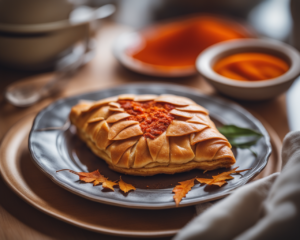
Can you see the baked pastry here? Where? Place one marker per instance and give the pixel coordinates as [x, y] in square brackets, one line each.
[148, 134]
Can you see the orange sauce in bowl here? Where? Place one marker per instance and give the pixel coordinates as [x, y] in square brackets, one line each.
[251, 66]
[177, 44]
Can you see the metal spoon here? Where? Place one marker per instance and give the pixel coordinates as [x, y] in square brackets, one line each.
[27, 93]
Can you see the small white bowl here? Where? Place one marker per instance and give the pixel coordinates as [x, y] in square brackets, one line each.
[253, 91]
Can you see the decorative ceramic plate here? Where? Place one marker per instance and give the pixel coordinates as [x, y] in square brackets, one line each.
[62, 149]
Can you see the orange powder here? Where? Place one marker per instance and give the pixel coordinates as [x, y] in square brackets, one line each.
[251, 66]
[177, 44]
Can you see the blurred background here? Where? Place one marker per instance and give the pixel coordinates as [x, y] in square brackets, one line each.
[28, 23]
[35, 36]
[271, 18]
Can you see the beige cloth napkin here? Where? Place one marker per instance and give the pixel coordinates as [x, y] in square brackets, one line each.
[265, 209]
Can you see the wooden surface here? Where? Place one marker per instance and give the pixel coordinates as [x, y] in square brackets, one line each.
[18, 220]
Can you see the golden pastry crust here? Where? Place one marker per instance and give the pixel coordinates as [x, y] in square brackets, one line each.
[190, 141]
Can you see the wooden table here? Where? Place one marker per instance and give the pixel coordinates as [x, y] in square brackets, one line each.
[19, 220]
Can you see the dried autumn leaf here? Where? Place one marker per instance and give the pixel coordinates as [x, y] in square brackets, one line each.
[94, 177]
[109, 184]
[221, 178]
[182, 189]
[88, 177]
[125, 187]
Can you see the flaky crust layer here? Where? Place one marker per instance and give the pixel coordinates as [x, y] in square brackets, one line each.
[190, 141]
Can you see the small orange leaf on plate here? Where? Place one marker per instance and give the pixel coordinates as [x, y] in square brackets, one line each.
[221, 178]
[182, 189]
[125, 187]
[109, 184]
[205, 180]
[88, 177]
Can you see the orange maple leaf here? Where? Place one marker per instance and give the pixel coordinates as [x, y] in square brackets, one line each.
[221, 178]
[182, 189]
[125, 187]
[94, 177]
[109, 184]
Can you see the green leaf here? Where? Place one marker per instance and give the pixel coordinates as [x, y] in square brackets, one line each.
[240, 137]
[232, 131]
[247, 144]
[253, 152]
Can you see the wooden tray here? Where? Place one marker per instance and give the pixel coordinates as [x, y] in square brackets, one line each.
[25, 179]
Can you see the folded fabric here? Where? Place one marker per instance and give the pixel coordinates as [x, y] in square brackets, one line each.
[265, 209]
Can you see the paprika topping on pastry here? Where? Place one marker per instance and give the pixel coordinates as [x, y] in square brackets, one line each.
[148, 134]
